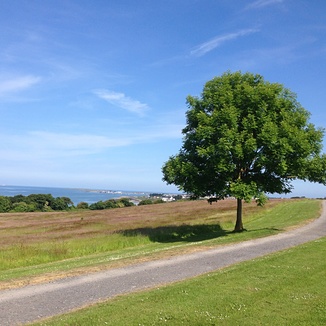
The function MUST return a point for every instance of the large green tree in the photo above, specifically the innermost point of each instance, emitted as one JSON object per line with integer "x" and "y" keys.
{"x": 245, "y": 137}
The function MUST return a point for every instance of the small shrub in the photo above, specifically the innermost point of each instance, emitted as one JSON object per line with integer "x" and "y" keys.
{"x": 158, "y": 201}
{"x": 126, "y": 202}
{"x": 82, "y": 205}
{"x": 111, "y": 203}
{"x": 5, "y": 204}
{"x": 99, "y": 205}
{"x": 145, "y": 202}
{"x": 21, "y": 207}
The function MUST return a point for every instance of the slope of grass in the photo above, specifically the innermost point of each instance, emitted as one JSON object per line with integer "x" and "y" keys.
{"x": 286, "y": 288}
{"x": 54, "y": 244}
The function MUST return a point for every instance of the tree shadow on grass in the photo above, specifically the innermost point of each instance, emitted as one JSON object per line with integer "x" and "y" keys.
{"x": 172, "y": 233}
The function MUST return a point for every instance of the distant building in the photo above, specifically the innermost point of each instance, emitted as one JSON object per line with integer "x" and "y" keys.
{"x": 168, "y": 198}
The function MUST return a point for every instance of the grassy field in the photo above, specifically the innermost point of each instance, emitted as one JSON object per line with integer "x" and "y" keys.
{"x": 37, "y": 247}
{"x": 286, "y": 288}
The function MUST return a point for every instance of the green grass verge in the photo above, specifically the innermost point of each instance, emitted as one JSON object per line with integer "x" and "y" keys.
{"x": 285, "y": 288}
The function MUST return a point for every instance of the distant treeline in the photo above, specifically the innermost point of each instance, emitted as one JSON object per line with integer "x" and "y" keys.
{"x": 34, "y": 203}
{"x": 111, "y": 203}
{"x": 48, "y": 203}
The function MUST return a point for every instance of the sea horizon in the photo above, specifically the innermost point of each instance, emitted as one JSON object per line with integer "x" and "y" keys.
{"x": 77, "y": 195}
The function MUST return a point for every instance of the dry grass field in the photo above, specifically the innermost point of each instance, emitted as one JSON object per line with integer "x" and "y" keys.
{"x": 29, "y": 228}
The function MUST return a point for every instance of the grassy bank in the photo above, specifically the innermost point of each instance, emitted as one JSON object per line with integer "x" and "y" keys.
{"x": 35, "y": 247}
{"x": 286, "y": 288}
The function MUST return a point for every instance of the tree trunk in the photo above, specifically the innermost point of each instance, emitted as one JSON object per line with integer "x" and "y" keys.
{"x": 238, "y": 225}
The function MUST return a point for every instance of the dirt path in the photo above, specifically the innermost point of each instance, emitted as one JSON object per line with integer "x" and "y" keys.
{"x": 31, "y": 303}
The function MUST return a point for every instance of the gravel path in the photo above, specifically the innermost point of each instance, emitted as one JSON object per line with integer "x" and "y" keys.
{"x": 30, "y": 303}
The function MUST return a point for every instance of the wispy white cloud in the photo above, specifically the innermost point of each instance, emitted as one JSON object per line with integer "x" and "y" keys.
{"x": 208, "y": 46}
{"x": 44, "y": 145}
{"x": 82, "y": 143}
{"x": 16, "y": 84}
{"x": 40, "y": 144}
{"x": 122, "y": 101}
{"x": 263, "y": 3}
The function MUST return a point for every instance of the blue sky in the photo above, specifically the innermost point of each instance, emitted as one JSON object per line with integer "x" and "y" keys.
{"x": 92, "y": 93}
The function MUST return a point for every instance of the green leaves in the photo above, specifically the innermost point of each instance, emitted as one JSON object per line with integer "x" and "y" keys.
{"x": 245, "y": 191}
{"x": 244, "y": 126}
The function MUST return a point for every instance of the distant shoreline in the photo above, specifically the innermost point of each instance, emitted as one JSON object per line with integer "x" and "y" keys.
{"x": 77, "y": 195}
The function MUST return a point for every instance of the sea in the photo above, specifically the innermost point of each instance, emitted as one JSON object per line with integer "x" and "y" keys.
{"x": 75, "y": 194}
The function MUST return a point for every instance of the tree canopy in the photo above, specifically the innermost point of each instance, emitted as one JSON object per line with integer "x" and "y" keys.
{"x": 246, "y": 137}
